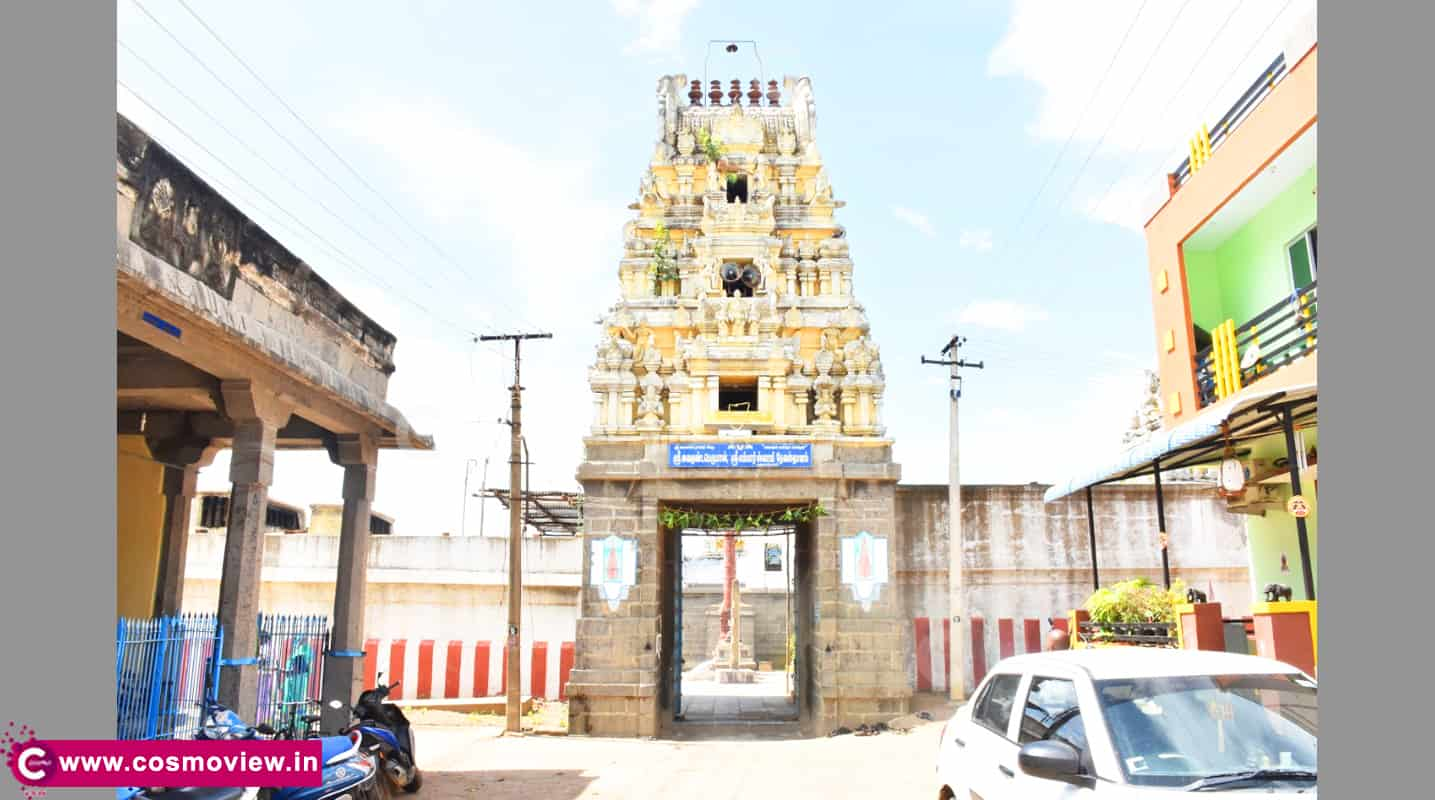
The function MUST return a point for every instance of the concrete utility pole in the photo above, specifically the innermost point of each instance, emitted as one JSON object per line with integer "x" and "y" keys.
{"x": 515, "y": 532}
{"x": 957, "y": 677}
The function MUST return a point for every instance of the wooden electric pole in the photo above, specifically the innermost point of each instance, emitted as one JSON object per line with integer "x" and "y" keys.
{"x": 515, "y": 532}
{"x": 957, "y": 675}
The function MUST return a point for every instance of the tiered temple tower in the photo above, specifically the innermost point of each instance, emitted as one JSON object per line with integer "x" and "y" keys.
{"x": 737, "y": 369}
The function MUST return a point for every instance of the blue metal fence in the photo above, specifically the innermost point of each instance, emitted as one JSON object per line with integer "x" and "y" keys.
{"x": 163, "y": 668}
{"x": 291, "y": 669}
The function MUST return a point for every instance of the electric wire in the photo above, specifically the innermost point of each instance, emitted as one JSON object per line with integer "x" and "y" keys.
{"x": 357, "y": 175}
{"x": 270, "y": 125}
{"x": 1141, "y": 74}
{"x": 339, "y": 252}
{"x": 1085, "y": 108}
{"x": 1205, "y": 109}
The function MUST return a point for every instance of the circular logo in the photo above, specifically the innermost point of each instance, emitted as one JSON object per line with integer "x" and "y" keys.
{"x": 33, "y": 763}
{"x": 1298, "y": 507}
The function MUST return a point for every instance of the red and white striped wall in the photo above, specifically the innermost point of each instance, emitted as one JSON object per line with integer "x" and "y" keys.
{"x": 931, "y": 639}
{"x": 436, "y": 669}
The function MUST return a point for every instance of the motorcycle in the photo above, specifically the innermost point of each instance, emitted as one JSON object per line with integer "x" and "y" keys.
{"x": 347, "y": 772}
{"x": 386, "y": 733}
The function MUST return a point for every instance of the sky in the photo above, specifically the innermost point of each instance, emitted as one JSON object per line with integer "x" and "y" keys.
{"x": 462, "y": 168}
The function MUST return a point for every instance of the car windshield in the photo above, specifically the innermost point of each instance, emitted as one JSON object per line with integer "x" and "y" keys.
{"x": 1174, "y": 731}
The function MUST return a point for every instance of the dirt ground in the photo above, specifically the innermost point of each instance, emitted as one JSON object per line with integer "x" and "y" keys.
{"x": 467, "y": 756}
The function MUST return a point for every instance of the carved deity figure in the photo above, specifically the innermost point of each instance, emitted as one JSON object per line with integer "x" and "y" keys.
{"x": 736, "y": 313}
{"x": 650, "y": 405}
{"x": 820, "y": 191}
{"x": 825, "y": 386}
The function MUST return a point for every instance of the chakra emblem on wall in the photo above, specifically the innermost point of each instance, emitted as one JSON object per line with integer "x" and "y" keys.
{"x": 614, "y": 568}
{"x": 864, "y": 566}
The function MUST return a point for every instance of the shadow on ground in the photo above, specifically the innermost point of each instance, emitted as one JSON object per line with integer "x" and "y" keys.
{"x": 549, "y": 784}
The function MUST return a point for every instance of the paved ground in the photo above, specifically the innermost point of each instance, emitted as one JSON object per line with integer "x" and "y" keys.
{"x": 765, "y": 698}
{"x": 474, "y": 761}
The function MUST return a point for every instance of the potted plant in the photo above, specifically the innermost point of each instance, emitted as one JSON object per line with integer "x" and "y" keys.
{"x": 1134, "y": 612}
{"x": 665, "y": 265}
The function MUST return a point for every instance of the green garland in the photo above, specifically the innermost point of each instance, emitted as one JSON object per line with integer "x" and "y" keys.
{"x": 681, "y": 518}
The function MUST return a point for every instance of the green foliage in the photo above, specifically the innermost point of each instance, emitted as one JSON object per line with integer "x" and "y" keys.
{"x": 1136, "y": 600}
{"x": 681, "y": 519}
{"x": 665, "y": 262}
{"x": 711, "y": 145}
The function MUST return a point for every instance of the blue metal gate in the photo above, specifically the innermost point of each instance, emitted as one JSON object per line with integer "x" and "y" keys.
{"x": 291, "y": 669}
{"x": 163, "y": 669}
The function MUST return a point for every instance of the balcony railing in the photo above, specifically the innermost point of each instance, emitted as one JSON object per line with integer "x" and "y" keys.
{"x": 1238, "y": 357}
{"x": 1237, "y": 113}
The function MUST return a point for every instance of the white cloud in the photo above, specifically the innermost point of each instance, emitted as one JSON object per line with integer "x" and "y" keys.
{"x": 1124, "y": 203}
{"x": 660, "y": 23}
{"x": 1066, "y": 47}
{"x": 467, "y": 179}
{"x": 1000, "y": 315}
{"x": 979, "y": 240}
{"x": 916, "y": 219}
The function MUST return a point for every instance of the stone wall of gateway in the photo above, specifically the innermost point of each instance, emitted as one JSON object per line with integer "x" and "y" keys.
{"x": 1026, "y": 559}
{"x": 851, "y": 664}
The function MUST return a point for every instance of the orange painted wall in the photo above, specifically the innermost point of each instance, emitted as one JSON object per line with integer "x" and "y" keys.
{"x": 1283, "y": 116}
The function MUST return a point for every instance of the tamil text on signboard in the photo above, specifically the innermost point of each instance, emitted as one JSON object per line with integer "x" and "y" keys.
{"x": 733, "y": 455}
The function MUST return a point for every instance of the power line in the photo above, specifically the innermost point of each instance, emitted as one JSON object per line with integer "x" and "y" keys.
{"x": 264, "y": 119}
{"x": 1114, "y": 118}
{"x": 1089, "y": 102}
{"x": 334, "y": 249}
{"x": 1260, "y": 38}
{"x": 254, "y": 152}
{"x": 357, "y": 175}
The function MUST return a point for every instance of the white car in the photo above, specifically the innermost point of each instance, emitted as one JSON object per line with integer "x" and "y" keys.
{"x": 1132, "y": 722}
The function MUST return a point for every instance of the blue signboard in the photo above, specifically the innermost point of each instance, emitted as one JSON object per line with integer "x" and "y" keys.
{"x": 739, "y": 456}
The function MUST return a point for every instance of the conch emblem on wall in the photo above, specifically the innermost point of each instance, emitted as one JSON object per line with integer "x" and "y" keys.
{"x": 864, "y": 566}
{"x": 614, "y": 569}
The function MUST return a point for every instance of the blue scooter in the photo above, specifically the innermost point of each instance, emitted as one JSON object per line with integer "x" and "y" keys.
{"x": 386, "y": 733}
{"x": 347, "y": 771}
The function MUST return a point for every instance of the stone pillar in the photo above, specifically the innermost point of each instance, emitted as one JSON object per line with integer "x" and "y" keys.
{"x": 344, "y": 667}
{"x": 713, "y": 394}
{"x": 614, "y": 409}
{"x": 800, "y": 397}
{"x": 627, "y": 402}
{"x": 779, "y": 404}
{"x": 257, "y": 414}
{"x": 764, "y": 395}
{"x": 600, "y": 413}
{"x": 678, "y": 402}
{"x": 847, "y": 402}
{"x": 808, "y": 278}
{"x": 182, "y": 460}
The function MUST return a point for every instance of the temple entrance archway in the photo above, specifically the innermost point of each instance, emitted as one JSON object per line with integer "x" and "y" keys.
{"x": 764, "y": 680}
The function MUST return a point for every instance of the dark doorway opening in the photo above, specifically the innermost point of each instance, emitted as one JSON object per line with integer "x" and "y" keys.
{"x": 737, "y": 188}
{"x": 737, "y": 394}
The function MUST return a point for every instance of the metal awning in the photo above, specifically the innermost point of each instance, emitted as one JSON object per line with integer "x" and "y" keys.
{"x": 551, "y": 513}
{"x": 1199, "y": 441}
